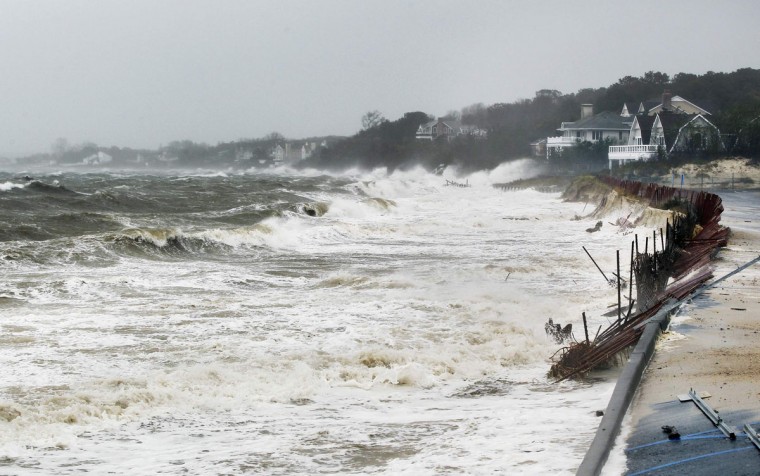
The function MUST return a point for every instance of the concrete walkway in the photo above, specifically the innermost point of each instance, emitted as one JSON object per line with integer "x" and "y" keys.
{"x": 713, "y": 345}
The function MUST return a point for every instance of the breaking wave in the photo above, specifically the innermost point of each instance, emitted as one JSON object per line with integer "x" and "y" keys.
{"x": 4, "y": 187}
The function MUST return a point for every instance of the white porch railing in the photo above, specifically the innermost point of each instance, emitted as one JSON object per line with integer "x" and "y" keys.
{"x": 632, "y": 152}
{"x": 561, "y": 141}
{"x": 633, "y": 148}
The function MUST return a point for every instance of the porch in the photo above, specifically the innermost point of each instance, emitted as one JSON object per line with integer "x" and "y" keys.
{"x": 622, "y": 154}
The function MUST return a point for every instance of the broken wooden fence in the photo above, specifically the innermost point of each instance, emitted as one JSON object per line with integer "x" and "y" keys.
{"x": 686, "y": 248}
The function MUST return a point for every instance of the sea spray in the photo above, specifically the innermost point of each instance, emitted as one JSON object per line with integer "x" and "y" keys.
{"x": 399, "y": 331}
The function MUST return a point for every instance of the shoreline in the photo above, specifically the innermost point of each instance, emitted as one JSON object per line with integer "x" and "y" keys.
{"x": 710, "y": 346}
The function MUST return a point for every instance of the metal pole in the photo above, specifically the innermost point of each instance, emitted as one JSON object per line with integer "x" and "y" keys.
{"x": 618, "y": 284}
{"x": 597, "y": 266}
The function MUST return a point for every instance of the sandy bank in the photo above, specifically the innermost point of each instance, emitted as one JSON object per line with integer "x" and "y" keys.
{"x": 729, "y": 173}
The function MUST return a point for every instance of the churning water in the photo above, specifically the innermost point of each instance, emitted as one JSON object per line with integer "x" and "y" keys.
{"x": 292, "y": 323}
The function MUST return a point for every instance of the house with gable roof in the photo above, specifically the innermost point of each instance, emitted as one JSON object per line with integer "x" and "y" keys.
{"x": 629, "y": 109}
{"x": 589, "y": 128}
{"x": 448, "y": 129}
{"x": 677, "y": 105}
{"x": 673, "y": 125}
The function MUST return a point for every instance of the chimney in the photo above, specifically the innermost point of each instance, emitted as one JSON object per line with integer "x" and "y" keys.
{"x": 666, "y": 99}
{"x": 587, "y": 110}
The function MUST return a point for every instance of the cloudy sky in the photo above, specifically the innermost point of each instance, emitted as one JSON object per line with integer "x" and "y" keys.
{"x": 141, "y": 73}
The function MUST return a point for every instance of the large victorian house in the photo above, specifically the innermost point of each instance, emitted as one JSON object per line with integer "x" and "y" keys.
{"x": 674, "y": 124}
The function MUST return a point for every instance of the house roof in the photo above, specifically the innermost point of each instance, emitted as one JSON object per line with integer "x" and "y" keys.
{"x": 453, "y": 123}
{"x": 645, "y": 106}
{"x": 692, "y": 118}
{"x": 631, "y": 107}
{"x": 672, "y": 123}
{"x": 674, "y": 106}
{"x": 603, "y": 121}
{"x": 645, "y": 124}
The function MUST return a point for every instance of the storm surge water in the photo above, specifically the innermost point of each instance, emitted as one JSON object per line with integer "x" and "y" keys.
{"x": 291, "y": 323}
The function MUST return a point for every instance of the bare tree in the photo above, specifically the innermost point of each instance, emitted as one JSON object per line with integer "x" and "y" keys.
{"x": 274, "y": 136}
{"x": 372, "y": 119}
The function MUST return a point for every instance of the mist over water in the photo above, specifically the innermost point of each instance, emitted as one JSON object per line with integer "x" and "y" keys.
{"x": 291, "y": 322}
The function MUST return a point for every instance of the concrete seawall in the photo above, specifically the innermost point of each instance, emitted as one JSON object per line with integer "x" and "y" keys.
{"x": 622, "y": 396}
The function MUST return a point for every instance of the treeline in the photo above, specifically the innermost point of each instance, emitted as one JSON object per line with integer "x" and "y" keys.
{"x": 393, "y": 144}
{"x": 243, "y": 153}
{"x": 732, "y": 98}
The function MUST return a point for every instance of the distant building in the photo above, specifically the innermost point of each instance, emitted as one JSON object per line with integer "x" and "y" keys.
{"x": 629, "y": 109}
{"x": 590, "y": 128}
{"x": 676, "y": 105}
{"x": 98, "y": 158}
{"x": 307, "y": 149}
{"x": 672, "y": 125}
{"x": 278, "y": 154}
{"x": 539, "y": 148}
{"x": 447, "y": 129}
{"x": 243, "y": 155}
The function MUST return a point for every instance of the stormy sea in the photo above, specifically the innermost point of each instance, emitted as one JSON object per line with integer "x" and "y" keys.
{"x": 293, "y": 322}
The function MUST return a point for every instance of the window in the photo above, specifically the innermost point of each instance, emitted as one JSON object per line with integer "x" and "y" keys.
{"x": 596, "y": 135}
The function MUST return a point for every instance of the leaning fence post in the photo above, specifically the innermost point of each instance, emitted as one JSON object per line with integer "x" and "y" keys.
{"x": 618, "y": 284}
{"x": 630, "y": 278}
{"x": 585, "y": 327}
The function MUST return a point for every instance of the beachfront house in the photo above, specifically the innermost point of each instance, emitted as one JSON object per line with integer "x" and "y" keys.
{"x": 98, "y": 158}
{"x": 277, "y": 154}
{"x": 590, "y": 128}
{"x": 447, "y": 129}
{"x": 673, "y": 125}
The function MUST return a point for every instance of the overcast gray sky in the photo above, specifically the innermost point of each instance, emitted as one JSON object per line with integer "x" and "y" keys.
{"x": 141, "y": 73}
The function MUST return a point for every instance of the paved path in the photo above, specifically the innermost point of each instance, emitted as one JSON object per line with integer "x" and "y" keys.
{"x": 713, "y": 346}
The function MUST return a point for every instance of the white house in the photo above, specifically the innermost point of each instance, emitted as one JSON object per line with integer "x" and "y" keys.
{"x": 278, "y": 154}
{"x": 590, "y": 128}
{"x": 98, "y": 158}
